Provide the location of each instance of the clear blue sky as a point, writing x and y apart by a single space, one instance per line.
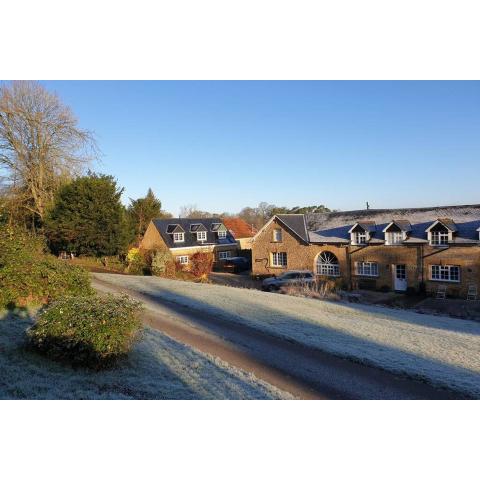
226 145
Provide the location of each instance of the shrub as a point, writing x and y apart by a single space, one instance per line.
29 275
323 289
137 264
87 331
201 264
163 263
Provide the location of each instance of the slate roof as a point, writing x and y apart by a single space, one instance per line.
333 227
166 227
296 223
239 227
403 225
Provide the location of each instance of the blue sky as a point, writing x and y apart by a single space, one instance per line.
226 145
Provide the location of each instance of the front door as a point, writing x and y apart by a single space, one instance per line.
400 277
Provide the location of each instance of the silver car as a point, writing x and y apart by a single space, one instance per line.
292 277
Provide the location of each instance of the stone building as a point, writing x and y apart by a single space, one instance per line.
415 248
187 236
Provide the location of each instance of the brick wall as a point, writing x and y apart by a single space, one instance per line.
152 240
300 256
468 258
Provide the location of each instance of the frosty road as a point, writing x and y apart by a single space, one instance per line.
310 348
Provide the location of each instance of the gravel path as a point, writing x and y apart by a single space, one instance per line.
440 350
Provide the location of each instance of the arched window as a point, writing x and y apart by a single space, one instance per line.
327 264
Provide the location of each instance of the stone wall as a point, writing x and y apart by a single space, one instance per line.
417 259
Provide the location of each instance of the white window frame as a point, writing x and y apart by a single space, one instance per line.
224 255
439 238
201 236
182 259
394 238
366 269
277 234
327 268
357 238
445 273
178 237
222 234
279 259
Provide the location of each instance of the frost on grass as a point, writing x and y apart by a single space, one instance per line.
441 350
157 368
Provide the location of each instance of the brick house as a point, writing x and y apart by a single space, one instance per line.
420 248
186 236
241 230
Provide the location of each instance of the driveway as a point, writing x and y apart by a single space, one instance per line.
240 280
301 370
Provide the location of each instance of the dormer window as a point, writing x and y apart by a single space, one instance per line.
396 232
394 238
178 237
439 237
361 232
201 236
222 234
359 238
440 233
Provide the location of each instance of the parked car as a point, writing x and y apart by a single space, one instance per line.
236 264
292 277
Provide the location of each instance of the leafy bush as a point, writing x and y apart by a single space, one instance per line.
87 331
29 275
163 263
201 264
137 264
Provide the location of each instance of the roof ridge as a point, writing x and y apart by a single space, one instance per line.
386 210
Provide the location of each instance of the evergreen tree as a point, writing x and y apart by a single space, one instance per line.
88 217
142 211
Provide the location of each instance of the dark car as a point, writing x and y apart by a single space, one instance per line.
292 277
236 264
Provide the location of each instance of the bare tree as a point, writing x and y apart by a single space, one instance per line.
191 211
41 145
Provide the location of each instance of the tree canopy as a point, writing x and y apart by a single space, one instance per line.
142 210
88 218
41 147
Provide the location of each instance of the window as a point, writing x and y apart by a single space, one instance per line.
277 235
327 264
178 237
445 273
439 237
359 238
279 259
222 234
182 259
201 236
393 238
367 269
224 255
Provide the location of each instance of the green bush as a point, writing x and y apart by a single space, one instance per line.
87 331
163 263
137 263
29 275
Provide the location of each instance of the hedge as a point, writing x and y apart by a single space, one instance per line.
30 275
